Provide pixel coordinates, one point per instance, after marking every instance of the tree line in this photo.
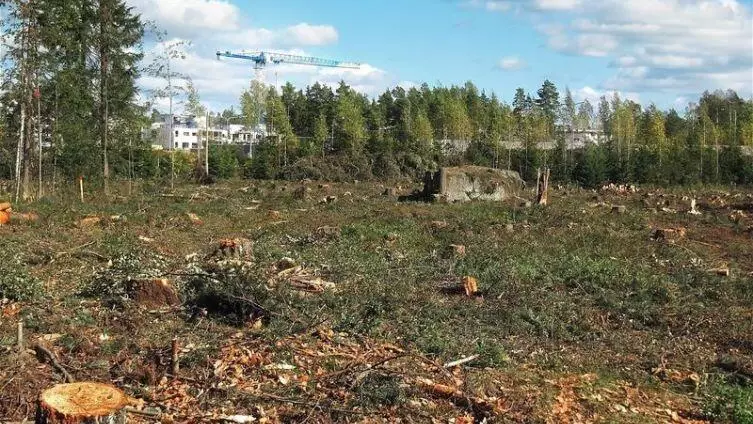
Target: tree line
(409, 131)
(70, 107)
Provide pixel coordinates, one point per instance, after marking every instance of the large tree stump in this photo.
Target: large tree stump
(86, 403)
(542, 187)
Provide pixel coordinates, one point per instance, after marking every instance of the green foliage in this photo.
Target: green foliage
(730, 403)
(224, 161)
(591, 170)
(379, 389)
(263, 164)
(253, 104)
(15, 281)
(399, 133)
(349, 122)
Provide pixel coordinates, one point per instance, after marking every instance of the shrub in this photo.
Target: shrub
(731, 403)
(224, 161)
(16, 283)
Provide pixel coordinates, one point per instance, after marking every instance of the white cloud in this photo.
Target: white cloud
(490, 5)
(407, 85)
(557, 4)
(594, 95)
(302, 34)
(597, 45)
(678, 46)
(681, 102)
(183, 17)
(511, 63)
(220, 82)
(497, 6)
(220, 24)
(366, 79)
(312, 35)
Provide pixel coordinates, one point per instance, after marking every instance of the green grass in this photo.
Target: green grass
(571, 289)
(730, 403)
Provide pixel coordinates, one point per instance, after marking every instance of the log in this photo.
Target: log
(85, 403)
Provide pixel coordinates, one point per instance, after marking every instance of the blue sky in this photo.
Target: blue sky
(662, 51)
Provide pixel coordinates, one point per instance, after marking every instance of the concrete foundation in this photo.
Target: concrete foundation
(466, 183)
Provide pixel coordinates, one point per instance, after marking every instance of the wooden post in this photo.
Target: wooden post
(206, 147)
(81, 187)
(175, 360)
(20, 336)
(84, 403)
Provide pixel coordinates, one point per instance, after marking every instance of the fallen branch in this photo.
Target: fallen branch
(41, 350)
(352, 366)
(132, 410)
(68, 252)
(275, 398)
(705, 244)
(461, 361)
(458, 397)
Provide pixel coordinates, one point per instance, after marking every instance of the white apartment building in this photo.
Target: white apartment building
(190, 133)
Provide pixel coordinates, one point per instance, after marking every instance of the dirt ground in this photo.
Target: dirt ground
(312, 302)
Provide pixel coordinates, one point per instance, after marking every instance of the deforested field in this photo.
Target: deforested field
(314, 302)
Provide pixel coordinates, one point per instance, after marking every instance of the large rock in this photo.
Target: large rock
(466, 183)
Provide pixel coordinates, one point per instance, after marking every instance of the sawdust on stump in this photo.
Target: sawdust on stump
(84, 402)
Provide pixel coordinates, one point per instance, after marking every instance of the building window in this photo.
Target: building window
(185, 145)
(193, 134)
(176, 133)
(185, 133)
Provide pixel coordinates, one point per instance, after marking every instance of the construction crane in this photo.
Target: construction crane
(262, 59)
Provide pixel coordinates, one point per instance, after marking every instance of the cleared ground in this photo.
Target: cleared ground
(585, 313)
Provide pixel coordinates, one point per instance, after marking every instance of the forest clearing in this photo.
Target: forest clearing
(457, 211)
(319, 302)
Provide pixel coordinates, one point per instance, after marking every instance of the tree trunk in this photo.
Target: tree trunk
(103, 100)
(39, 141)
(85, 403)
(26, 193)
(20, 152)
(542, 187)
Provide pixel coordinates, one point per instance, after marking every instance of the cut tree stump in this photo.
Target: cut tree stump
(86, 403)
(155, 293)
(542, 187)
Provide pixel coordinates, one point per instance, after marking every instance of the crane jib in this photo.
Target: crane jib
(262, 59)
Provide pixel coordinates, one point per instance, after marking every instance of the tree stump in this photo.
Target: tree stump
(86, 403)
(542, 187)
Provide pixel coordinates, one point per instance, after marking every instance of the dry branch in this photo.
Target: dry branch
(43, 351)
(461, 361)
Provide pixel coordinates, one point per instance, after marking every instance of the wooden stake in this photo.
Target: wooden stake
(81, 187)
(175, 359)
(20, 337)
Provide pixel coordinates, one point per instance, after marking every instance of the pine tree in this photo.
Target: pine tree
(321, 133)
(119, 30)
(350, 128)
